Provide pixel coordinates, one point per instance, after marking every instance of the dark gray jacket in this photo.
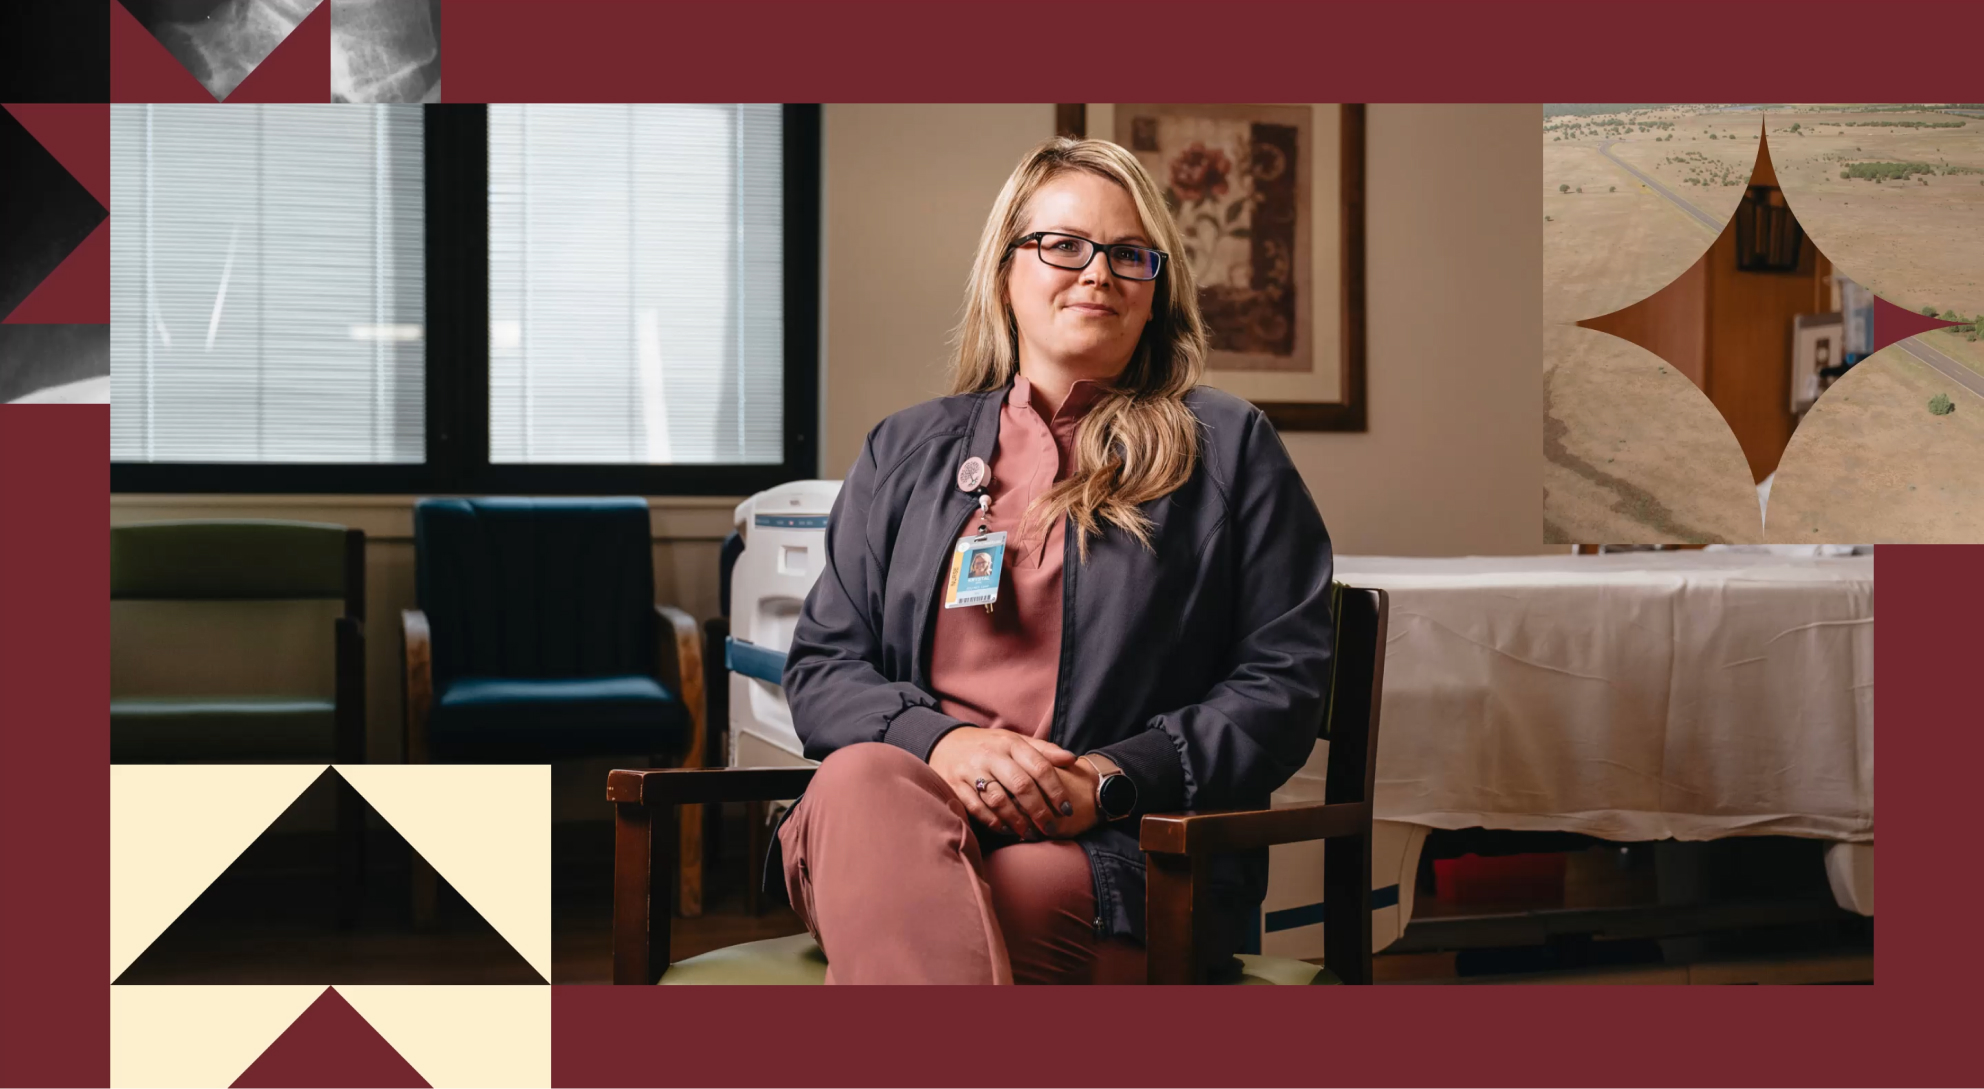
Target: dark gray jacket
(1199, 666)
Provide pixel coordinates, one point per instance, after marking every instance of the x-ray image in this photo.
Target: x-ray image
(385, 50)
(50, 364)
(220, 41)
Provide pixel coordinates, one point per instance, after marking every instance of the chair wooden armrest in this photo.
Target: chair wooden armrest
(1217, 831)
(418, 693)
(647, 837)
(1178, 851)
(679, 667)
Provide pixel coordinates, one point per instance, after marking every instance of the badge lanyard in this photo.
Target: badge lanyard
(964, 587)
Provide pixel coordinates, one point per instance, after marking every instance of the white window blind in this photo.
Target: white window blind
(636, 284)
(267, 289)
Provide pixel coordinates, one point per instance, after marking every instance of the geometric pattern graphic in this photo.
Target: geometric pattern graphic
(486, 829)
(1869, 463)
(205, 1036)
(292, 908)
(176, 828)
(330, 1036)
(219, 52)
(1894, 194)
(1629, 459)
(330, 1045)
(53, 193)
(1628, 440)
(494, 1036)
(1631, 201)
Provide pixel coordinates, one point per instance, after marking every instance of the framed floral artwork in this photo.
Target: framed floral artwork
(1270, 201)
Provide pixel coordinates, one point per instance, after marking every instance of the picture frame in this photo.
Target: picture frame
(1286, 308)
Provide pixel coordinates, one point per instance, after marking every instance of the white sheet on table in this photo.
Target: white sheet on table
(1630, 696)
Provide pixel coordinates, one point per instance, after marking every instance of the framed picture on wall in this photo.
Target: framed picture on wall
(1270, 200)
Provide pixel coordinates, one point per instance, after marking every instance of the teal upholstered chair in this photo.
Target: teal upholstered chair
(252, 560)
(1176, 846)
(537, 638)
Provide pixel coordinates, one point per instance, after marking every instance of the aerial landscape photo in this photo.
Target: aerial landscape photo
(1634, 452)
(1891, 453)
(1633, 195)
(1893, 194)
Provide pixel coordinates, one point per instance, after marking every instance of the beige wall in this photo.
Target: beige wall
(1450, 464)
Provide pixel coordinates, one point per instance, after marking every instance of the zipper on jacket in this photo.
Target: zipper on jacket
(1057, 729)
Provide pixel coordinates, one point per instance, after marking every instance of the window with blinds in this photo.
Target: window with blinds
(636, 284)
(267, 287)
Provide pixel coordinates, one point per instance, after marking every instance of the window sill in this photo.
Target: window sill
(390, 517)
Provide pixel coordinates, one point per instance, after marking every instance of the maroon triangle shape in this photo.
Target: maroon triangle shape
(298, 69)
(77, 292)
(77, 134)
(1892, 323)
(330, 1045)
(142, 69)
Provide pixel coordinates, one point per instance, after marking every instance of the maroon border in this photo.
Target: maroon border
(1394, 51)
(54, 745)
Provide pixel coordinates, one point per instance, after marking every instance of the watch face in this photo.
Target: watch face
(1119, 795)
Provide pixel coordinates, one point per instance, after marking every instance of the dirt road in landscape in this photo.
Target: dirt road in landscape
(1951, 369)
(1714, 225)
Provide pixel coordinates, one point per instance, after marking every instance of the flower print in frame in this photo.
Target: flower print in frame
(1269, 201)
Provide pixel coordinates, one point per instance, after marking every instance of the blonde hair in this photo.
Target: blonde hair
(1139, 441)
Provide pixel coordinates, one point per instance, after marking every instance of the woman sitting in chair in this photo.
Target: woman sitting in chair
(1155, 634)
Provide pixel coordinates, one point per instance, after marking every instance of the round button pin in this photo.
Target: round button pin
(971, 474)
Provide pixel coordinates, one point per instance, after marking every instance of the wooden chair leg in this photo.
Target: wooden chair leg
(689, 848)
(758, 842)
(1347, 907)
(644, 844)
(1177, 918)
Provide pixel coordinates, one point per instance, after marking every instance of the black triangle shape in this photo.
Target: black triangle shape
(273, 916)
(44, 213)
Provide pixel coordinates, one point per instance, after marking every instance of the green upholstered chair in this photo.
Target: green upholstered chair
(538, 638)
(252, 560)
(1176, 847)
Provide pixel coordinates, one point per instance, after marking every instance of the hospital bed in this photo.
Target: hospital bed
(1631, 697)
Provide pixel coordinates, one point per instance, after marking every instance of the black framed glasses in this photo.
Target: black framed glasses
(1072, 251)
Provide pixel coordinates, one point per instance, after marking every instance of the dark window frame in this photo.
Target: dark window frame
(457, 366)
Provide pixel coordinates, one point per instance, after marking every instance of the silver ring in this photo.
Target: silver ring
(981, 786)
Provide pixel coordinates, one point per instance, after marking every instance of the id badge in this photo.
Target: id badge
(975, 564)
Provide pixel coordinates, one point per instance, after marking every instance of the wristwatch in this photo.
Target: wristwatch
(1115, 792)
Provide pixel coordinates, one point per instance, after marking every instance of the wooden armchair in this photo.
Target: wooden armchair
(1178, 848)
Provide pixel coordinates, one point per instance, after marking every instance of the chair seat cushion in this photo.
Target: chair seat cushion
(793, 960)
(499, 719)
(190, 729)
(798, 960)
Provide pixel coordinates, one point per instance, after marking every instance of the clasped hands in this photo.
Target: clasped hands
(1034, 789)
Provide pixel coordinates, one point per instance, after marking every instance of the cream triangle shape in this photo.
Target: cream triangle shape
(171, 1036)
(484, 827)
(464, 1035)
(174, 828)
